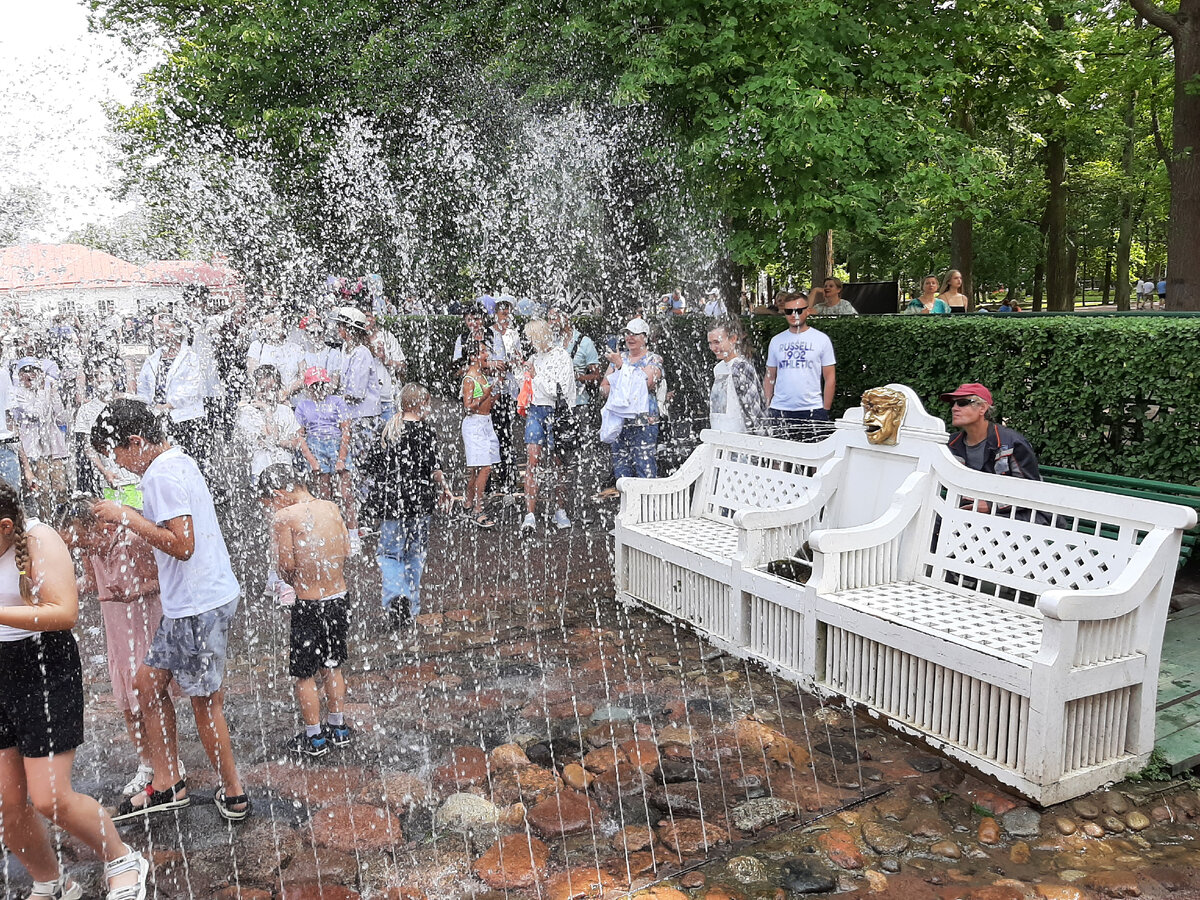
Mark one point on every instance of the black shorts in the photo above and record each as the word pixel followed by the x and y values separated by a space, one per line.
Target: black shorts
pixel 318 638
pixel 41 702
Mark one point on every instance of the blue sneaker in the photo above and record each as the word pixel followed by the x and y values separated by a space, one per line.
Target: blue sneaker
pixel 304 745
pixel 338 735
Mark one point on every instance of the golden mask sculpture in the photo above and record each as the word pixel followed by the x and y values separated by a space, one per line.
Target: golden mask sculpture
pixel 883 411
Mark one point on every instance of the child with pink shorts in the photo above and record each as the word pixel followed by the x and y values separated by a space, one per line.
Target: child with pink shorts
pixel 121 566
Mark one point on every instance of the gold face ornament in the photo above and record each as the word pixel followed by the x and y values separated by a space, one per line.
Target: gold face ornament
pixel 883 412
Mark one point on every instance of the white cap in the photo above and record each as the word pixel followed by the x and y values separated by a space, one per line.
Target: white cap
pixel 349 317
pixel 638 326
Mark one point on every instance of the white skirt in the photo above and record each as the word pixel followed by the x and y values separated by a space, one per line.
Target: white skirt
pixel 480 441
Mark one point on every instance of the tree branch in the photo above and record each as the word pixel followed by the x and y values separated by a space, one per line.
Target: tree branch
pixel 1160 145
pixel 1156 16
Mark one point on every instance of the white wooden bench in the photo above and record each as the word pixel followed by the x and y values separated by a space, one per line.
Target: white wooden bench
pixel 738 500
pixel 1024 640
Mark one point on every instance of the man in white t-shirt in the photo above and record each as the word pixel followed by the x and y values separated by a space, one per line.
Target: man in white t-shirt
pixel 199 598
pixel 801 378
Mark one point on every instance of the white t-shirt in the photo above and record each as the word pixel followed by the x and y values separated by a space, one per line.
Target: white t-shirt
pixel 172 487
pixel 725 409
pixel 252 426
pixel 392 351
pixel 799 359
pixel 285 357
pixel 87 416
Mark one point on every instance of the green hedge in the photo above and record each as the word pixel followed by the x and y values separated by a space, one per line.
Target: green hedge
pixel 1113 395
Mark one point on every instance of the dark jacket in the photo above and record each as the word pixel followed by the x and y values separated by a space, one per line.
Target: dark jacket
pixel 1008 453
pixel 403 473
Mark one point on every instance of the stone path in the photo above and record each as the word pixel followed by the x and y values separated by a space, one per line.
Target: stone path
pixel 532 739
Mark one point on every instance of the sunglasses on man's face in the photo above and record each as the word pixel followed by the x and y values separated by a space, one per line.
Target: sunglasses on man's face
pixel 965 401
pixel 795 310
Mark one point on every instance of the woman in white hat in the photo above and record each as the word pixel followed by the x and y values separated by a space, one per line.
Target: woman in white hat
pixel 634 451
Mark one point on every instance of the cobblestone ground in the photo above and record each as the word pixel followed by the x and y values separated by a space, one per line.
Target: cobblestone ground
pixel 531 739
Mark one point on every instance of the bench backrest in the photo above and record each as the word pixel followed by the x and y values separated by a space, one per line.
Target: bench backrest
pixel 1021 547
pixel 754 473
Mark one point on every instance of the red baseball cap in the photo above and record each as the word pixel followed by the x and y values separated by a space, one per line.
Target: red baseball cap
pixel 313 374
pixel 974 389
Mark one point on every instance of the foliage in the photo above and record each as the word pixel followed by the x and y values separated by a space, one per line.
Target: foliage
pixel 24 210
pixel 1119 395
pixel 1156 769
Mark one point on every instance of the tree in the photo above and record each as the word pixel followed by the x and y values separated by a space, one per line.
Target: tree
pixel 24 210
pixel 1183 237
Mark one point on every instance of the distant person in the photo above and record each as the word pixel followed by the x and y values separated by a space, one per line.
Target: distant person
pixel 831 302
pixel 480 445
pixel 199 594
pixel 928 303
pixel 634 373
pixel 1162 294
pixel 10 441
pixel 674 304
pixel 1145 294
pixel 407 470
pixel 267 427
pixel 40 418
pixel 952 293
pixel 801 375
pixel 309 546
pixel 552 376
pixel 736 402
pixel 172 383
pixel 714 307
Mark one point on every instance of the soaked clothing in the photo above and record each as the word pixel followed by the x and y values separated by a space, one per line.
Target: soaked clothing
pixel 192 649
pixel 318 635
pixel 403 472
pixel 41 706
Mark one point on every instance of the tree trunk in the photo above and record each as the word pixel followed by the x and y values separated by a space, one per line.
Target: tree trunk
pixel 822 257
pixel 729 277
pixel 1107 287
pixel 1183 234
pixel 1125 227
pixel 1039 281
pixel 1059 295
pixel 961 255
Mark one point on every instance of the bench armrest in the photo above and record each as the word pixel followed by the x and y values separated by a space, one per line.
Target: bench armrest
pixel 1155 556
pixel 895 519
pixel 816 497
pixel 635 491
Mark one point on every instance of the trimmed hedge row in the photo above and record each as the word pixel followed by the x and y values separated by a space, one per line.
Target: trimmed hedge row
pixel 1113 395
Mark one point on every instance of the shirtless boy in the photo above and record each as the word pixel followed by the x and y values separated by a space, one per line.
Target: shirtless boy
pixel 309 543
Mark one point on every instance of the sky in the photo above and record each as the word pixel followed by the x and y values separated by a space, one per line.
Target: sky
pixel 55 78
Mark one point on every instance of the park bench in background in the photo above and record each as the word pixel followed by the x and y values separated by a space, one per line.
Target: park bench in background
pixel 1024 641
pixel 1165 491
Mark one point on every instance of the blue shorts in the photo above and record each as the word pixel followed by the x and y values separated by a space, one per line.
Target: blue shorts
pixel 193 649
pixel 536 431
pixel 326 451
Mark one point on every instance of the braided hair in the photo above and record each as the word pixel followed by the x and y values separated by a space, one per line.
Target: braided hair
pixel 10 508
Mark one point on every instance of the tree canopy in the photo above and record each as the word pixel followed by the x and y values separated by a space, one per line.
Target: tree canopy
pixel 621 145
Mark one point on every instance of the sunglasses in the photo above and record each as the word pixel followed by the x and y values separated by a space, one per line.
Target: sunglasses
pixel 965 401
pixel 795 312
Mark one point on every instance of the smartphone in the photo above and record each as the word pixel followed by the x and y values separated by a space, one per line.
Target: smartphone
pixel 612 344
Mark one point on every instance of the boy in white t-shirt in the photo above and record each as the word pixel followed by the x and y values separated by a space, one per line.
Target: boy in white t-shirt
pixel 199 598
pixel 801 379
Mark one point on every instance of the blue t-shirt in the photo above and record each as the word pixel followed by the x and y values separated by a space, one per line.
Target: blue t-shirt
pixel 322 419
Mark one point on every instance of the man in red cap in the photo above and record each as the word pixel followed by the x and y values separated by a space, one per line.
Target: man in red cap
pixel 983 445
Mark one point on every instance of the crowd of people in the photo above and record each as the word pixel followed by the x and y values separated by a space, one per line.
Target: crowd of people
pixel 108 466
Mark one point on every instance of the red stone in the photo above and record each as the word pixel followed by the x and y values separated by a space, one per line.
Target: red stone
pixel 643 754
pixel 314 890
pixel 404 892
pixel 996 804
pixel 839 846
pixel 579 883
pixel 568 710
pixel 316 787
pixel 604 760
pixel 566 812
pixel 687 837
pixel 528 785
pixel 468 766
pixel 353 828
pixel 508 756
pixel 633 837
pixel 236 892
pixel 1114 884
pixel 515 861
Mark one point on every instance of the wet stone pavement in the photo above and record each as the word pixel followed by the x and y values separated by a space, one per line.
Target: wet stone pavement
pixel 531 738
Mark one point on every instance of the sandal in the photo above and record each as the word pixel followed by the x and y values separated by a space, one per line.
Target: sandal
pixel 223 804
pixel 131 861
pixel 156 801
pixel 62 888
pixel 483 520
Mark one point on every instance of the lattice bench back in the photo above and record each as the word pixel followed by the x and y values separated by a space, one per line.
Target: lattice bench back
pixel 744 479
pixel 1014 553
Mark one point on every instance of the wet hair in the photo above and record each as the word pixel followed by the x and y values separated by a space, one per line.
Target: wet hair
pixel 412 396
pixel 10 508
pixel 538 331
pixel 123 418
pixel 472 348
pixel 265 371
pixel 278 477
pixel 78 509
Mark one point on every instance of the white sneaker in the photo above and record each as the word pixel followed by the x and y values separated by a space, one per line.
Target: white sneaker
pixel 560 519
pixel 528 524
pixel 139 781
pixel 355 544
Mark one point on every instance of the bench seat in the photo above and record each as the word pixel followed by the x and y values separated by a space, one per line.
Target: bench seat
pixel 694 534
pixel 990 628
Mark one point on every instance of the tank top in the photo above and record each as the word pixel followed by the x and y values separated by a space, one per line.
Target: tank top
pixel 10 589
